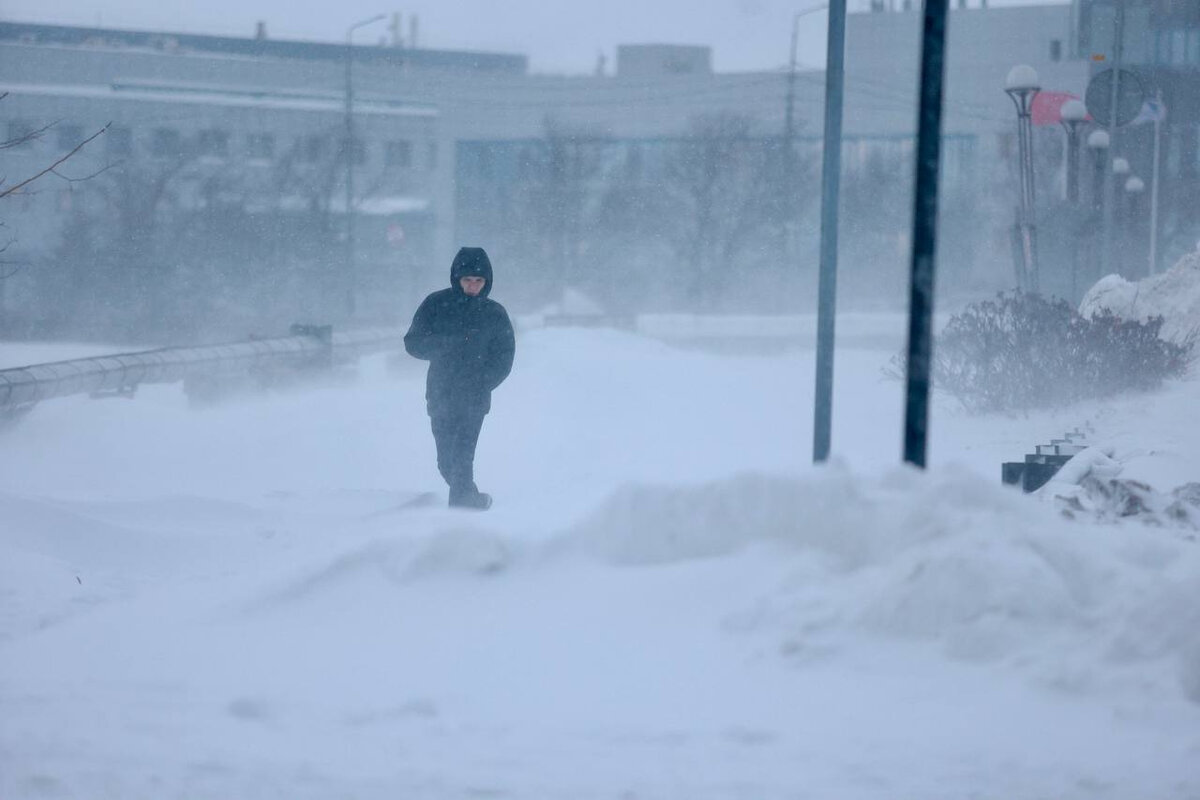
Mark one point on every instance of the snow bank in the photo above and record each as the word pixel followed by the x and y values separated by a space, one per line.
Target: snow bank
pixel 946 558
pixel 1174 295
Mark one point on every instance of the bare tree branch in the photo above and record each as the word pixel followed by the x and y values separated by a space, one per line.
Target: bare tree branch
pixel 26 138
pixel 52 167
pixel 100 171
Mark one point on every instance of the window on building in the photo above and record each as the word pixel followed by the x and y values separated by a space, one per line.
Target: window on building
pixel 1139 37
pixel 69 136
pixel 1056 49
pixel 20 134
pixel 260 146
pixel 398 153
pixel 635 162
pixel 213 142
pixel 166 143
pixel 358 152
pixel 431 160
pixel 1100 29
pixel 118 142
pixel 1194 47
pixel 311 149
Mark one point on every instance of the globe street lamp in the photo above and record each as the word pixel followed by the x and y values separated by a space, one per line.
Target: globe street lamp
pixel 1074 116
pixel 1120 168
pixel 1022 86
pixel 1097 142
pixel 350 152
pixel 1134 187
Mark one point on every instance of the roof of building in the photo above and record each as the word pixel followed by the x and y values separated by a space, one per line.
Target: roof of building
pixel 64 35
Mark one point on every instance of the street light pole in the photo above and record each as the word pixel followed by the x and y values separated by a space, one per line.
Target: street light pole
pixel 1097 142
pixel 348 153
pixel 1120 169
pixel 1117 241
pixel 1154 178
pixel 789 133
pixel 1134 187
pixel 1110 185
pixel 1022 86
pixel 1074 116
pixel 831 169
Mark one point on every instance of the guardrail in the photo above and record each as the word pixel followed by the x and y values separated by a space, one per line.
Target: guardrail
pixel 309 347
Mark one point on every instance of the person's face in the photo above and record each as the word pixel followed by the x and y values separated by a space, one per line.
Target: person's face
pixel 472 284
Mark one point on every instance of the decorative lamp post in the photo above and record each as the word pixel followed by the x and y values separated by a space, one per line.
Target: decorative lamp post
pixel 1074 117
pixel 349 153
pixel 1134 188
pixel 1022 86
pixel 1097 142
pixel 1120 168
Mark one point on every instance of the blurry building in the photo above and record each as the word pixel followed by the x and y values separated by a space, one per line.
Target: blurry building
pixel 1161 53
pixel 443 139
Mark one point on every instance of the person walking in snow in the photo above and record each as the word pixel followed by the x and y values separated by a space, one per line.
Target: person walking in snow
pixel 468 341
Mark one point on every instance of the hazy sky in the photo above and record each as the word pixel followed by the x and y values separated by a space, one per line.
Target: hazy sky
pixel 557 35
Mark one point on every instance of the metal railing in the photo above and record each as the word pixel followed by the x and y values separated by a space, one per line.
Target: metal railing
pixel 309 347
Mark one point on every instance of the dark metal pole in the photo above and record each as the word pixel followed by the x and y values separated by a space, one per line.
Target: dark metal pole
pixel 924 240
pixel 830 190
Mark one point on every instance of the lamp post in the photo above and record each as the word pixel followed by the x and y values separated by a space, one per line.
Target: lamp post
pixel 1074 117
pixel 1114 238
pixel 348 153
pixel 1120 168
pixel 1097 142
pixel 789 133
pixel 831 169
pixel 1134 187
pixel 1022 86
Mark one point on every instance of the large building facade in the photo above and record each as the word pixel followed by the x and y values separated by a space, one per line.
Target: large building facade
pixel 588 180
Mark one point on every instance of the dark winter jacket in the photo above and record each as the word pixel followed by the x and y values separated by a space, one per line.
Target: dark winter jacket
pixel 468 341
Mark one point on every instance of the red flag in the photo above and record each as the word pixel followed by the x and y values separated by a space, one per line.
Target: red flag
pixel 1047 107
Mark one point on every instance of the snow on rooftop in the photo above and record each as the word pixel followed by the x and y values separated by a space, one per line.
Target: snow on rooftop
pixel 232 97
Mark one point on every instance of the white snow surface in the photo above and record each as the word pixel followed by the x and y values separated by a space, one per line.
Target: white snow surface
pixel 1173 295
pixel 666 601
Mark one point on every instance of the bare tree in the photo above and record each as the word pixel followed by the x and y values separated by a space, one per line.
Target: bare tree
pixel 722 185
pixel 25 186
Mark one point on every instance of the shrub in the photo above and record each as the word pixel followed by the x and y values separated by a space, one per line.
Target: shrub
pixel 1023 351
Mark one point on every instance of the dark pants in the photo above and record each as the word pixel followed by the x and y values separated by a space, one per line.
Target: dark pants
pixel 456 436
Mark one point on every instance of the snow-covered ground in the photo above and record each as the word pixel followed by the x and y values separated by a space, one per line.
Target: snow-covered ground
pixel 666 601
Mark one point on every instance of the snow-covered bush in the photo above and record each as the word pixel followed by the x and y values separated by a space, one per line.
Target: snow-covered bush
pixel 1023 351
pixel 1174 295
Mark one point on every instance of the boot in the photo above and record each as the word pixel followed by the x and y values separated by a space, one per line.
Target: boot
pixel 471 498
